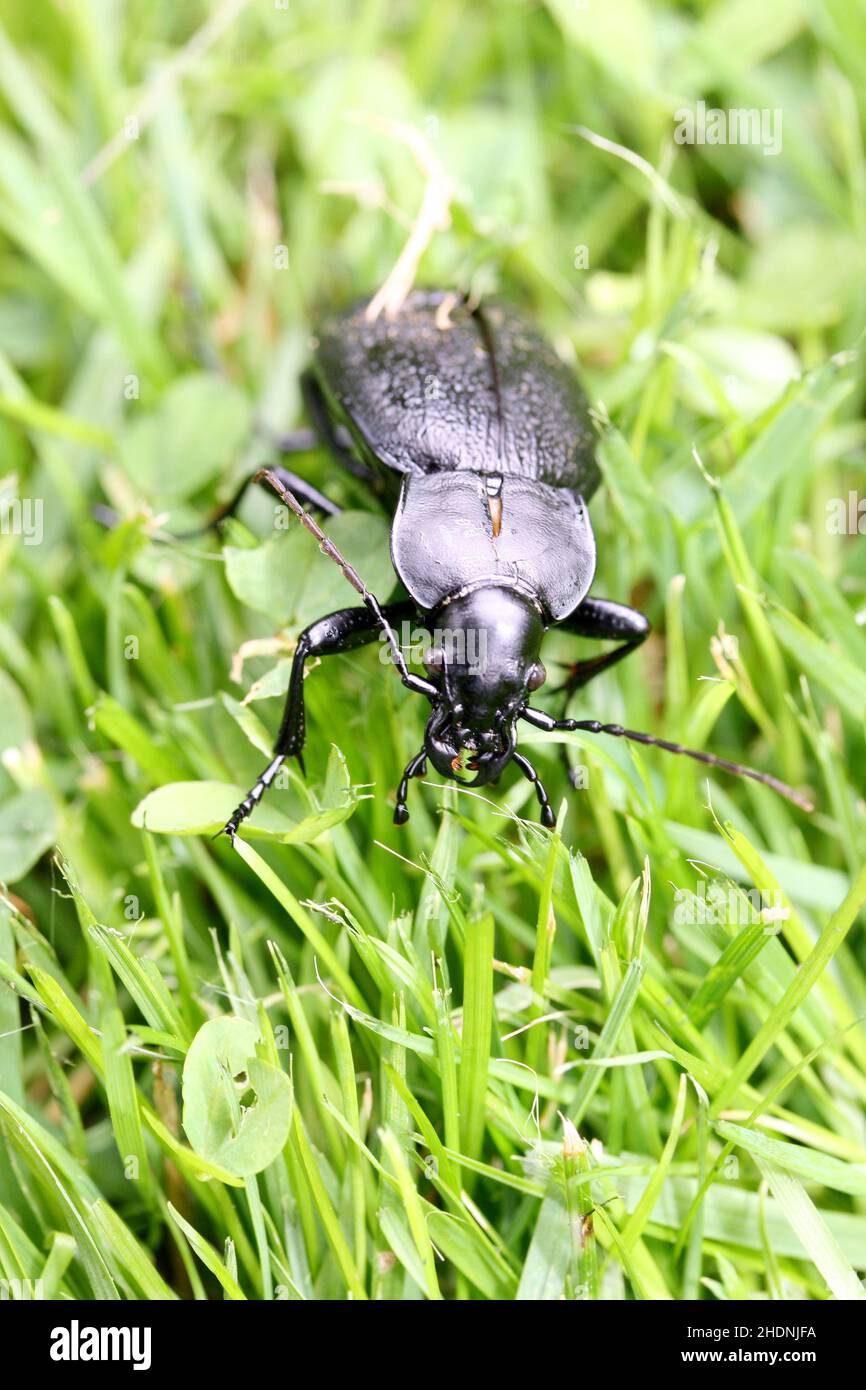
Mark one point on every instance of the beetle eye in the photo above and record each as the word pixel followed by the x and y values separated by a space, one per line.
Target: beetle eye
pixel 536 677
pixel 434 660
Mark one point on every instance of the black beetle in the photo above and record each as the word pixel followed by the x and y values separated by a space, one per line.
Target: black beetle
pixel 480 440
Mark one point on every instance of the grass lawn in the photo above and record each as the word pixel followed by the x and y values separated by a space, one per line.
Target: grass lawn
pixel 468 1058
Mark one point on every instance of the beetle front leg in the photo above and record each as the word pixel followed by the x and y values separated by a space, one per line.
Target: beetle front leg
pixel 548 819
pixel 416 767
pixel 603 618
pixel 337 633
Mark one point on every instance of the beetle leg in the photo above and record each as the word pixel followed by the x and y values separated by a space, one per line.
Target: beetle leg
pixel 529 772
pixel 303 440
pixel 252 798
pixel 416 767
pixel 299 487
pixel 602 617
pixel 332 435
pixel 339 632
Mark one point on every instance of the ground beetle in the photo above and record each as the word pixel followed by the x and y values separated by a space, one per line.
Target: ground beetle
pixel 479 438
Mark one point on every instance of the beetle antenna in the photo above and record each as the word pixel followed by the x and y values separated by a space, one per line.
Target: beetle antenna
pixel 327 546
pixel 529 772
pixel 593 726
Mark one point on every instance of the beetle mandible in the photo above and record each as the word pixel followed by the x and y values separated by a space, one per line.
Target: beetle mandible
pixel 479 439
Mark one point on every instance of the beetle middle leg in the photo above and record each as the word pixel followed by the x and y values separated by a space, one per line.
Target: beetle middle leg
pixel 325 431
pixel 332 635
pixel 303 490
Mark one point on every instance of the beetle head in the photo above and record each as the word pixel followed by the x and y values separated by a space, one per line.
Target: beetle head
pixel 485 667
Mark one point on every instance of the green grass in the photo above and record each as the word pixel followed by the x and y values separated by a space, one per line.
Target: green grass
pixel 468 1058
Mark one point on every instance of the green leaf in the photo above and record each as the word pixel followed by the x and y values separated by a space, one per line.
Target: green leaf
pixel 813 1232
pixel 202 808
pixel 28 827
pixel 806 1163
pixel 237 1110
pixel 809 972
pixel 462 1243
pixel 844 681
pixel 191 439
pixel 270 577
pixel 748 370
pixel 16 725
pixel 618 35
pixel 550 1250
pixel 786 447
pixel 117 724
pixel 123 1100
pixel 290 580
pixel 208 1257
pixel 477 1024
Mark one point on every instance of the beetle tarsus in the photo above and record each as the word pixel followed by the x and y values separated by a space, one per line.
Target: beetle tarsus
pixel 253 796
pixel 230 829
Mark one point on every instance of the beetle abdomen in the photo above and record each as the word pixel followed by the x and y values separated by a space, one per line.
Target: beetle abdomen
pixel 441 388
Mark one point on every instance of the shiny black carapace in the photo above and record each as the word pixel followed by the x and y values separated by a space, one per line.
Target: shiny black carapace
pixel 465 421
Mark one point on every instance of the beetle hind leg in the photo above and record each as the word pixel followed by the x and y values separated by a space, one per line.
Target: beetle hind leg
pixel 333 435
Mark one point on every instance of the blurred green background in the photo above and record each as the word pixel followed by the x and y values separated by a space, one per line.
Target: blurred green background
pixel 181 190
